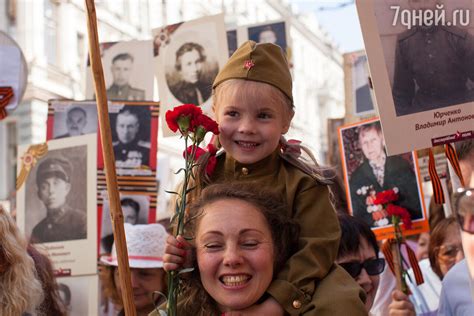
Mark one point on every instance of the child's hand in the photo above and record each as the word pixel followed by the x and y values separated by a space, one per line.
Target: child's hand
pixel 401 305
pixel 268 307
pixel 177 253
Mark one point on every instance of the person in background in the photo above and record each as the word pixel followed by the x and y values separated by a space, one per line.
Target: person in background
pixel 145 245
pixel 423 244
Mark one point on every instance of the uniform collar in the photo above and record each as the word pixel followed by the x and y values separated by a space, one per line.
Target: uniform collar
pixel 265 166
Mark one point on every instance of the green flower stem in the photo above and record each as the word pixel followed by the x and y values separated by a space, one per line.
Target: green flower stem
pixel 173 276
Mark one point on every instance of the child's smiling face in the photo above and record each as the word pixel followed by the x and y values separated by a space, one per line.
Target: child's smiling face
pixel 251 120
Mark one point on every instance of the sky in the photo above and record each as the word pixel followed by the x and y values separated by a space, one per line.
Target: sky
pixel 338 18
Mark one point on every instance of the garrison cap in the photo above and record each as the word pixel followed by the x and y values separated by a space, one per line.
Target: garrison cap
pixel 54 167
pixel 263 62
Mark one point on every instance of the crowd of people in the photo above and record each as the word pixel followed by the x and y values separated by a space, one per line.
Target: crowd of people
pixel 263 236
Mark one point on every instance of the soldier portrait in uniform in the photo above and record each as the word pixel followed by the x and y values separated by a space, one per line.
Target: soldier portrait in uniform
pixel 127 74
pixel 369 170
pixel 65 216
pixel 131 137
pixel 433 65
pixel 121 68
pixel 135 209
pixel 192 77
pixel 76 119
pixel 420 55
pixel 274 33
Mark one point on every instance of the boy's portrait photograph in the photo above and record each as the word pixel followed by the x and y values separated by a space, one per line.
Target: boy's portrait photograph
pixel 428 67
pixel 57 202
pixel 127 74
pixel 188 57
pixel 369 171
pixel 74 119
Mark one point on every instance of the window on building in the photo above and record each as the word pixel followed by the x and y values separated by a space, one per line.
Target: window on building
pixel 51 31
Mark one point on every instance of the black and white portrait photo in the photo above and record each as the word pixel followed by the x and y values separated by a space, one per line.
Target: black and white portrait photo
pixel 420 55
pixel 57 201
pixel 369 171
pixel 191 79
pixel 131 136
pixel 74 119
pixel 362 94
pixel 188 58
pixel 77 294
pixel 135 209
pixel 274 33
pixel 55 213
pixel 128 76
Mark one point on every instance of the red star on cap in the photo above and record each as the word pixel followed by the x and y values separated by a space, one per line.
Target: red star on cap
pixel 249 64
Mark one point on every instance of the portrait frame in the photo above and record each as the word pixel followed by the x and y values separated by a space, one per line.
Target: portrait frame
pixel 72 256
pixel 362 95
pixel 174 89
pixel 140 78
pixel 358 183
pixel 61 111
pixel 84 292
pixel 148 112
pixel 280 28
pixel 424 128
pixel 144 217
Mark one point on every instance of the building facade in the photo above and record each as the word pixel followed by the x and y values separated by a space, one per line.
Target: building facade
pixel 53 37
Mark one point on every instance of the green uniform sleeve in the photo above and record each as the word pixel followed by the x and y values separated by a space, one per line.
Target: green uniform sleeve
pixel 294 286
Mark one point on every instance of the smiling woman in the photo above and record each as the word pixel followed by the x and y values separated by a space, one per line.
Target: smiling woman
pixel 242 239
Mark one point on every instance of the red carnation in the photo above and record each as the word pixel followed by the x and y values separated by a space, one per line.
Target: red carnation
pixel 211 162
pixel 385 197
pixel 181 117
pixel 400 212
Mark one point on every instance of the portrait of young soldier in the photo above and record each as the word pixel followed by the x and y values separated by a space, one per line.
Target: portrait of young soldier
pixel 62 222
pixel 433 64
pixel 122 69
pixel 382 173
pixel 76 121
pixel 129 150
pixel 192 80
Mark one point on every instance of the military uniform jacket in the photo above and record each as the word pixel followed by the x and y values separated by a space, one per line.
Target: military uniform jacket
pixel 432 66
pixel 70 224
pixel 134 154
pixel 398 173
pixel 309 205
pixel 125 92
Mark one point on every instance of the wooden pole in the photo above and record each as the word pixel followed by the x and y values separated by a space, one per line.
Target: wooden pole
pixel 109 161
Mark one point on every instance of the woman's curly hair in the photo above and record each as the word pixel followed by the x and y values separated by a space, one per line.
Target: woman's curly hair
pixel 20 288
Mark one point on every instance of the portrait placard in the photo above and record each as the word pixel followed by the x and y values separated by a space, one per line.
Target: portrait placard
pixel 56 206
pixel 188 56
pixel 72 118
pixel 134 127
pixel 135 210
pixel 420 57
pixel 127 72
pixel 274 32
pixel 80 294
pixel 368 171
pixel 362 103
